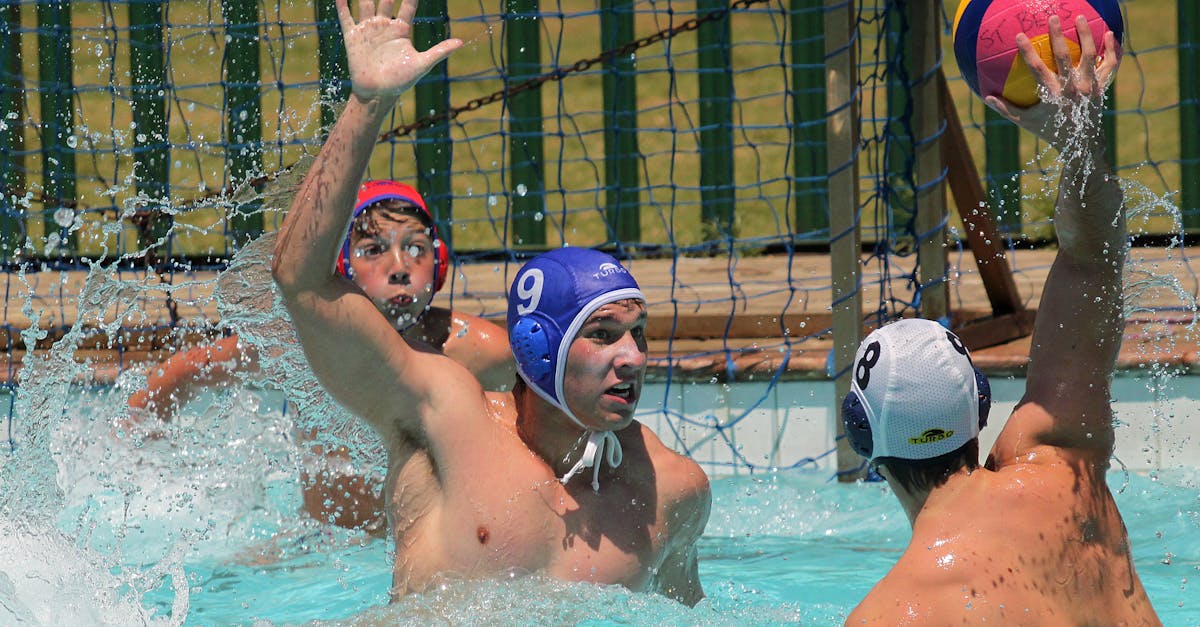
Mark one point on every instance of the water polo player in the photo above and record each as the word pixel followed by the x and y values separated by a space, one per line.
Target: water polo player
pixel 550 300
pixel 473 487
pixel 393 253
pixel 1033 536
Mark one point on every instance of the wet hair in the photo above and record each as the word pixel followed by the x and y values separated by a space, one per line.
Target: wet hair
pixel 366 223
pixel 919 475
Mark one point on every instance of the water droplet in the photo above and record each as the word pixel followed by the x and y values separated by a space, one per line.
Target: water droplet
pixel 64 217
pixel 522 190
pixel 73 141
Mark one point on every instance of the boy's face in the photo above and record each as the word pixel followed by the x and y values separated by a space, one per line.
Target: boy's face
pixel 394 266
pixel 606 365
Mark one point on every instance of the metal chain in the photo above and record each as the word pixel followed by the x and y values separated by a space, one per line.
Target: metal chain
pixel 143 218
pixel 562 72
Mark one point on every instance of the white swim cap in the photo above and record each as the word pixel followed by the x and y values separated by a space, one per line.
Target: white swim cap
pixel 915 394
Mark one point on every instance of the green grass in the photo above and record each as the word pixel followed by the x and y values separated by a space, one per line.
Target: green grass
pixel 1147 95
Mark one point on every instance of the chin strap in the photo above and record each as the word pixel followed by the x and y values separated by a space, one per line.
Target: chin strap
pixel 596 447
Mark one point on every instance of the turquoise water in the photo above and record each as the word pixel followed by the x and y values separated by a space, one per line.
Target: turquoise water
pixel 782 548
pixel 200 527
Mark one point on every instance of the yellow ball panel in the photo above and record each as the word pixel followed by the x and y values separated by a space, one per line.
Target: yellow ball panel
pixel 1020 88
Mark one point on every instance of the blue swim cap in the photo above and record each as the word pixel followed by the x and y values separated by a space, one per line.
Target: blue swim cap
pixel 552 296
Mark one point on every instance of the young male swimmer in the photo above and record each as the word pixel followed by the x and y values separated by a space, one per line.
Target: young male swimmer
pixel 392 251
pixel 1034 536
pixel 484 484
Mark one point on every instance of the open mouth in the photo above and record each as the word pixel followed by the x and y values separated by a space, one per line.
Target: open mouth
pixel 399 309
pixel 623 391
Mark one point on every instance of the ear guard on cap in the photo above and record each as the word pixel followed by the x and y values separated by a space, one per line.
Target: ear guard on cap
pixel 531 348
pixel 858 425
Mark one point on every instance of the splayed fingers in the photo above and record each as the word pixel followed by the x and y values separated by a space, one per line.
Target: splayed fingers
pixel 379 48
pixel 408 10
pixel 1067 86
pixel 1060 50
pixel 1089 77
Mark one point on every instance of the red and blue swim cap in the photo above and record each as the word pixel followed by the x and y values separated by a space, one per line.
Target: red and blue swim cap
pixel 551 298
pixel 372 192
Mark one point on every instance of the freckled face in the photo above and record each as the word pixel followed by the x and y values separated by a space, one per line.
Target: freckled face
pixel 606 365
pixel 395 267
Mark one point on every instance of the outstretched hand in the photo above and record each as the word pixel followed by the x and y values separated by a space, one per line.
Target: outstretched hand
pixel 1066 91
pixel 379 48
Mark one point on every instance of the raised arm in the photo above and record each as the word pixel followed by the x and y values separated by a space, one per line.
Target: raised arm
pixel 1079 323
pixel 353 349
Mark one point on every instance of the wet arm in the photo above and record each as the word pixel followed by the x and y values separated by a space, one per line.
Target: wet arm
pixel 679 577
pixel 1077 335
pixel 352 348
pixel 679 574
pixel 176 381
pixel 383 64
pixel 343 335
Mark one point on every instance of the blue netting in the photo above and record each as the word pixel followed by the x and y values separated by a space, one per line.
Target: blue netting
pixel 179 229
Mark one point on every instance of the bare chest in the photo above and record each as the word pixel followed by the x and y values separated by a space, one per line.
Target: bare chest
pixel 520 520
pixel 611 536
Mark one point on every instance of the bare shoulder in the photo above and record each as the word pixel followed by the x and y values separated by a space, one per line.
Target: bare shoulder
pixel 682 483
pixel 892 597
pixel 482 346
pixel 921 590
pixel 468 327
pixel 1033 434
pixel 671 463
pixel 456 414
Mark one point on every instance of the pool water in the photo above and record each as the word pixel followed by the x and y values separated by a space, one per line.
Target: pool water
pixel 201 526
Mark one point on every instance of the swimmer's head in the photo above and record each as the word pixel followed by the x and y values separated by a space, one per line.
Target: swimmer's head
pixel 914 394
pixel 551 297
pixel 398 197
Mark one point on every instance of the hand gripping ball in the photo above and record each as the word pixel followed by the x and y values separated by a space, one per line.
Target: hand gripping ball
pixel 985 40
